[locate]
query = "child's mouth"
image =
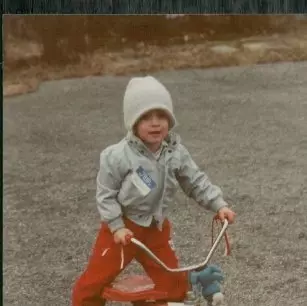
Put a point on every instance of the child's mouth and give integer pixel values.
(155, 133)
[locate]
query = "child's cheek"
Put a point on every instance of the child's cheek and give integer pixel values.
(137, 128)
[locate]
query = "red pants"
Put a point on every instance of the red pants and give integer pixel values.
(105, 261)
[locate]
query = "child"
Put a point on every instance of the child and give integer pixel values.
(136, 182)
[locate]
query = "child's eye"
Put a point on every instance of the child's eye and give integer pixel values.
(146, 116)
(161, 115)
(158, 114)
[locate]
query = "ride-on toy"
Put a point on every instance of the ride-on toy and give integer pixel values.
(139, 289)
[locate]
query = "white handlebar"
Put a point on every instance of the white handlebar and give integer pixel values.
(188, 268)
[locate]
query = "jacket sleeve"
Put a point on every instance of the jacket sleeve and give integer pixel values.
(108, 184)
(196, 184)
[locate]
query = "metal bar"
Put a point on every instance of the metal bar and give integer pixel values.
(188, 268)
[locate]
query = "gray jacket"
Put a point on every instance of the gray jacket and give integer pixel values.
(132, 182)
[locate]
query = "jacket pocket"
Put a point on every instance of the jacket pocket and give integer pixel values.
(133, 190)
(139, 184)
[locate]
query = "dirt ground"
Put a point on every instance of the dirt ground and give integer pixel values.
(38, 48)
(247, 129)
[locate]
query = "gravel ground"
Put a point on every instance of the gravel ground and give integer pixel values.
(245, 126)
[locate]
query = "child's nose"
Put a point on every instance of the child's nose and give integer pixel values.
(155, 120)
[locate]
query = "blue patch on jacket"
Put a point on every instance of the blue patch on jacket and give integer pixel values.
(145, 177)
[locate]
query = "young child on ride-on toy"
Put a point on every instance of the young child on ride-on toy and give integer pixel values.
(136, 182)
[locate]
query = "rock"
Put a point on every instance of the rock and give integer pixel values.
(140, 45)
(301, 235)
(223, 49)
(18, 89)
(256, 46)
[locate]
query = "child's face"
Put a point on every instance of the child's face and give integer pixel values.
(152, 128)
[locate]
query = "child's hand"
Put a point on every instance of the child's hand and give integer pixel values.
(121, 235)
(226, 213)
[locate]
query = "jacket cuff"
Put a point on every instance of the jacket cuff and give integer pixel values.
(116, 224)
(217, 204)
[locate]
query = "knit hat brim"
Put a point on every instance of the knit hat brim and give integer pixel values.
(137, 116)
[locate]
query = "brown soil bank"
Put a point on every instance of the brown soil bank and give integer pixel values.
(39, 48)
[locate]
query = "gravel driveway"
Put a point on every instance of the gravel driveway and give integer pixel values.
(246, 126)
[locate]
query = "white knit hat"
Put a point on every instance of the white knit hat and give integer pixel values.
(144, 94)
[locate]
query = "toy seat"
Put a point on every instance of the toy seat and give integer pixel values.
(133, 289)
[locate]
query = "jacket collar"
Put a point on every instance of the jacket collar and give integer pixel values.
(171, 142)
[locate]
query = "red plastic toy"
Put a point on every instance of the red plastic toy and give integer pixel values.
(139, 289)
